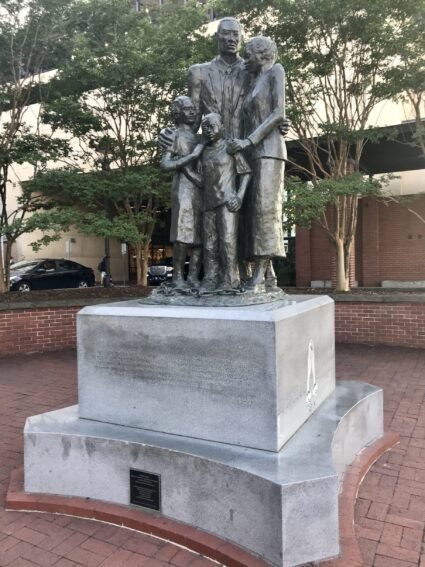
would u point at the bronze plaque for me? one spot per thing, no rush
(145, 489)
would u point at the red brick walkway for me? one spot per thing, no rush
(390, 512)
(34, 384)
(390, 509)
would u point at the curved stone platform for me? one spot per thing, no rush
(193, 538)
(282, 507)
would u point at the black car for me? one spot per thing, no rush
(163, 271)
(49, 274)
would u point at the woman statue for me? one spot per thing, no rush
(263, 112)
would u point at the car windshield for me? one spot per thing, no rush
(23, 266)
(164, 262)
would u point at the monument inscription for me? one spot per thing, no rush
(215, 374)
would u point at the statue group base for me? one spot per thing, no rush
(226, 419)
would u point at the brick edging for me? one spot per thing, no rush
(74, 302)
(136, 519)
(196, 539)
(353, 477)
(410, 297)
(378, 298)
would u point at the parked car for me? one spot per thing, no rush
(49, 274)
(163, 271)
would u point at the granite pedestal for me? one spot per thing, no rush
(247, 376)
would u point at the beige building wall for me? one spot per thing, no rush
(407, 183)
(390, 113)
(86, 250)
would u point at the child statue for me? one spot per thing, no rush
(186, 197)
(224, 179)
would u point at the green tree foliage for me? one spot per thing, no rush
(406, 77)
(109, 100)
(119, 204)
(337, 55)
(32, 39)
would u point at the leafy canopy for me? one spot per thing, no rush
(109, 101)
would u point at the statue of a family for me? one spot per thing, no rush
(227, 191)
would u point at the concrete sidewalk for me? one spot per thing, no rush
(390, 511)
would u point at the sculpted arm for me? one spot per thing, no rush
(171, 163)
(243, 185)
(165, 139)
(244, 172)
(235, 203)
(194, 88)
(275, 119)
(193, 176)
(277, 115)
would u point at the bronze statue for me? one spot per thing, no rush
(220, 85)
(186, 199)
(243, 105)
(263, 111)
(225, 179)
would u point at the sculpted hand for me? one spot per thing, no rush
(234, 204)
(165, 139)
(236, 145)
(284, 127)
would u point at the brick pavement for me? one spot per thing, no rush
(390, 510)
(31, 384)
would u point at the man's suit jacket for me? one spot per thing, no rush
(205, 89)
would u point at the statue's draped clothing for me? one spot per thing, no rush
(186, 197)
(262, 112)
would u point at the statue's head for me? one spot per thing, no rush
(260, 51)
(229, 36)
(183, 111)
(212, 127)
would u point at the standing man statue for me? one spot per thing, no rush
(219, 86)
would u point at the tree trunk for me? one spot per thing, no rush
(139, 267)
(342, 272)
(3, 285)
(145, 264)
(7, 258)
(142, 252)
